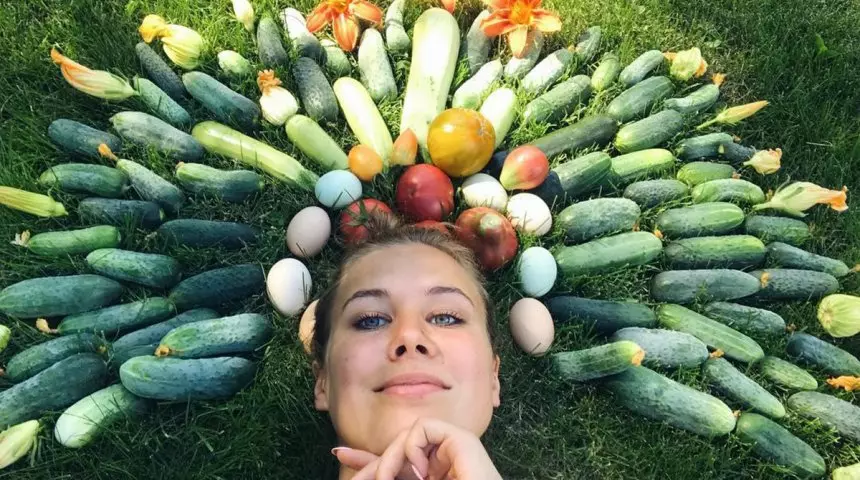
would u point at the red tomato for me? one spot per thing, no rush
(424, 192)
(354, 217)
(525, 168)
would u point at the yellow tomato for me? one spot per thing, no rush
(364, 162)
(461, 141)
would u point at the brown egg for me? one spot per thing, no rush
(308, 232)
(531, 326)
(306, 326)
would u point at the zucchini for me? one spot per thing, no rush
(732, 190)
(304, 43)
(120, 213)
(720, 373)
(559, 102)
(222, 102)
(154, 333)
(730, 251)
(148, 269)
(749, 320)
(152, 132)
(734, 344)
(688, 286)
(160, 103)
(593, 131)
(607, 254)
(220, 285)
(665, 348)
(703, 146)
(70, 242)
(234, 186)
(109, 321)
(242, 333)
(500, 109)
(637, 165)
(86, 178)
(651, 193)
(695, 173)
(605, 316)
(790, 284)
(597, 362)
(774, 443)
(476, 44)
(171, 378)
(829, 410)
(813, 351)
(374, 66)
(396, 38)
(777, 229)
(638, 100)
(517, 68)
(316, 94)
(716, 218)
(698, 101)
(56, 387)
(363, 117)
(151, 187)
(588, 43)
(649, 132)
(196, 233)
(606, 73)
(336, 61)
(58, 296)
(33, 360)
(784, 255)
(313, 141)
(786, 374)
(640, 67)
(159, 72)
(79, 139)
(89, 416)
(472, 92)
(270, 48)
(546, 72)
(736, 153)
(596, 218)
(654, 396)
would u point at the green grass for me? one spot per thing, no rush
(544, 428)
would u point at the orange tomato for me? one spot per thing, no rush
(461, 141)
(364, 162)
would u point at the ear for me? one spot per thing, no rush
(497, 386)
(320, 388)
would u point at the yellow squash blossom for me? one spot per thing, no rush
(244, 12)
(798, 197)
(839, 315)
(181, 44)
(97, 83)
(848, 383)
(731, 116)
(515, 18)
(343, 16)
(17, 441)
(765, 162)
(33, 203)
(686, 64)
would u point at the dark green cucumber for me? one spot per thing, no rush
(559, 101)
(606, 73)
(149, 269)
(303, 42)
(71, 242)
(597, 362)
(730, 251)
(786, 374)
(153, 132)
(159, 72)
(665, 348)
(594, 131)
(732, 190)
(654, 396)
(196, 233)
(243, 333)
(270, 47)
(336, 62)
(777, 229)
(607, 254)
(790, 284)
(475, 48)
(812, 350)
(715, 218)
(640, 67)
(231, 185)
(638, 165)
(79, 139)
(651, 193)
(736, 153)
(649, 132)
(588, 43)
(154, 333)
(33, 360)
(784, 255)
(720, 373)
(161, 104)
(734, 344)
(57, 296)
(54, 388)
(703, 146)
(596, 218)
(217, 286)
(87, 178)
(829, 410)
(138, 213)
(121, 355)
(317, 96)
(150, 186)
(749, 320)
(695, 173)
(226, 105)
(700, 100)
(574, 178)
(169, 378)
(109, 321)
(688, 286)
(604, 316)
(774, 443)
(638, 100)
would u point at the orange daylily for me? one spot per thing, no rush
(515, 18)
(343, 16)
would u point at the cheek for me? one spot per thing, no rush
(352, 363)
(468, 357)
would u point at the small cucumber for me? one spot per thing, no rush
(696, 173)
(687, 286)
(716, 218)
(120, 213)
(154, 333)
(243, 333)
(374, 66)
(604, 316)
(89, 416)
(217, 286)
(33, 360)
(159, 72)
(149, 269)
(122, 355)
(593, 131)
(70, 242)
(476, 44)
(234, 186)
(606, 73)
(196, 233)
(639, 68)
(149, 131)
(396, 38)
(736, 153)
(812, 350)
(313, 141)
(596, 218)
(546, 72)
(226, 105)
(336, 63)
(304, 43)
(734, 344)
(776, 444)
(778, 229)
(732, 190)
(749, 320)
(583, 174)
(703, 146)
(86, 178)
(784, 255)
(472, 92)
(608, 254)
(160, 103)
(729, 251)
(170, 378)
(634, 166)
(651, 193)
(597, 362)
(151, 187)
(665, 348)
(559, 102)
(786, 374)
(109, 321)
(270, 48)
(829, 410)
(700, 100)
(588, 43)
(720, 373)
(79, 139)
(649, 132)
(790, 284)
(58, 296)
(316, 94)
(638, 100)
(517, 68)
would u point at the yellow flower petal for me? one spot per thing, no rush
(151, 27)
(183, 46)
(801, 196)
(765, 162)
(97, 83)
(848, 383)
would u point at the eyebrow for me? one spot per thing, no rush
(444, 290)
(382, 293)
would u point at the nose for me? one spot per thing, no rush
(411, 337)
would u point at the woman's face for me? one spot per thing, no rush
(408, 339)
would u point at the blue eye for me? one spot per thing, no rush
(371, 322)
(445, 319)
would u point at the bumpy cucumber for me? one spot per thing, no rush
(196, 233)
(700, 100)
(638, 100)
(396, 38)
(591, 219)
(736, 153)
(336, 61)
(812, 350)
(734, 344)
(605, 316)
(149, 131)
(80, 139)
(316, 94)
(159, 72)
(304, 43)
(597, 362)
(649, 132)
(695, 173)
(374, 67)
(574, 178)
(161, 104)
(776, 444)
(686, 286)
(243, 333)
(665, 348)
(777, 229)
(651, 193)
(790, 284)
(634, 166)
(149, 269)
(547, 71)
(58, 296)
(740, 388)
(121, 355)
(732, 190)
(730, 251)
(517, 68)
(154, 333)
(87, 178)
(91, 415)
(639, 68)
(703, 146)
(33, 360)
(716, 218)
(594, 131)
(749, 320)
(784, 255)
(559, 101)
(230, 185)
(786, 374)
(829, 410)
(472, 92)
(608, 254)
(111, 320)
(476, 44)
(71, 242)
(150, 186)
(588, 43)
(269, 45)
(606, 72)
(170, 378)
(226, 105)
(120, 213)
(217, 286)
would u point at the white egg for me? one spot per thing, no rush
(531, 326)
(306, 326)
(337, 189)
(482, 190)
(308, 232)
(528, 213)
(288, 285)
(537, 271)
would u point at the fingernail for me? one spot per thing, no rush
(337, 449)
(416, 472)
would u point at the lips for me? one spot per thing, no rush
(413, 384)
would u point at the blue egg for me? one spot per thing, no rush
(537, 271)
(337, 189)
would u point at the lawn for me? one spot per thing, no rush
(544, 428)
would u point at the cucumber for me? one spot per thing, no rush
(33, 360)
(71, 242)
(396, 38)
(122, 355)
(226, 105)
(546, 72)
(472, 92)
(638, 100)
(89, 416)
(637, 165)
(596, 218)
(829, 410)
(736, 153)
(154, 333)
(217, 286)
(58, 296)
(649, 132)
(109, 321)
(720, 373)
(270, 48)
(811, 350)
(180, 379)
(651, 193)
(316, 94)
(734, 344)
(688, 286)
(559, 102)
(153, 132)
(784, 255)
(336, 61)
(777, 229)
(500, 109)
(730, 251)
(786, 374)
(849, 472)
(607, 254)
(597, 362)
(749, 320)
(159, 72)
(56, 387)
(593, 131)
(577, 177)
(716, 218)
(86, 178)
(639, 68)
(695, 173)
(776, 444)
(151, 187)
(703, 146)
(732, 190)
(588, 43)
(234, 186)
(374, 66)
(148, 269)
(304, 43)
(605, 316)
(665, 348)
(160, 103)
(654, 396)
(517, 68)
(120, 213)
(242, 333)
(196, 233)
(790, 284)
(476, 44)
(606, 73)
(79, 139)
(700, 100)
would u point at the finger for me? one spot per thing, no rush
(393, 459)
(353, 458)
(371, 471)
(368, 472)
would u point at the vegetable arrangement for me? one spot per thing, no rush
(600, 184)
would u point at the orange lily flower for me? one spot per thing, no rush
(515, 18)
(343, 16)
